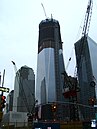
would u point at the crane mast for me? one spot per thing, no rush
(71, 84)
(87, 20)
(44, 10)
(85, 31)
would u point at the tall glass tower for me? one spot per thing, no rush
(50, 64)
(86, 59)
(24, 90)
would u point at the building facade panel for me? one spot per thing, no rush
(46, 70)
(93, 56)
(24, 90)
(50, 66)
(85, 69)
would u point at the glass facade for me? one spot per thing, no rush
(46, 73)
(50, 64)
(85, 50)
(93, 50)
(24, 90)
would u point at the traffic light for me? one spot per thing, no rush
(3, 101)
(92, 101)
(30, 118)
(54, 107)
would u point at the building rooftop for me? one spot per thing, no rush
(49, 20)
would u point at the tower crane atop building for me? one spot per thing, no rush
(71, 84)
(85, 29)
(44, 10)
(15, 68)
(87, 20)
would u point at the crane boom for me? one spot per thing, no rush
(15, 68)
(86, 27)
(85, 31)
(87, 20)
(44, 10)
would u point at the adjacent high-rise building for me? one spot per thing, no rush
(86, 59)
(50, 66)
(24, 90)
(21, 101)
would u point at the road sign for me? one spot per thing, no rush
(4, 89)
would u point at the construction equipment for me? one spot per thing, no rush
(81, 51)
(85, 30)
(87, 20)
(15, 68)
(70, 83)
(70, 93)
(44, 10)
(69, 60)
(83, 40)
(86, 25)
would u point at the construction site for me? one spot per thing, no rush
(60, 100)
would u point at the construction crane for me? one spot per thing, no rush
(85, 31)
(71, 84)
(87, 20)
(69, 60)
(44, 10)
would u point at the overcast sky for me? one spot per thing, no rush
(19, 22)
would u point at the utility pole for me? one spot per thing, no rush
(2, 97)
(3, 81)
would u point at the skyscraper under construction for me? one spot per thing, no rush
(86, 58)
(50, 66)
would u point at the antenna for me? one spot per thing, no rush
(51, 16)
(44, 10)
